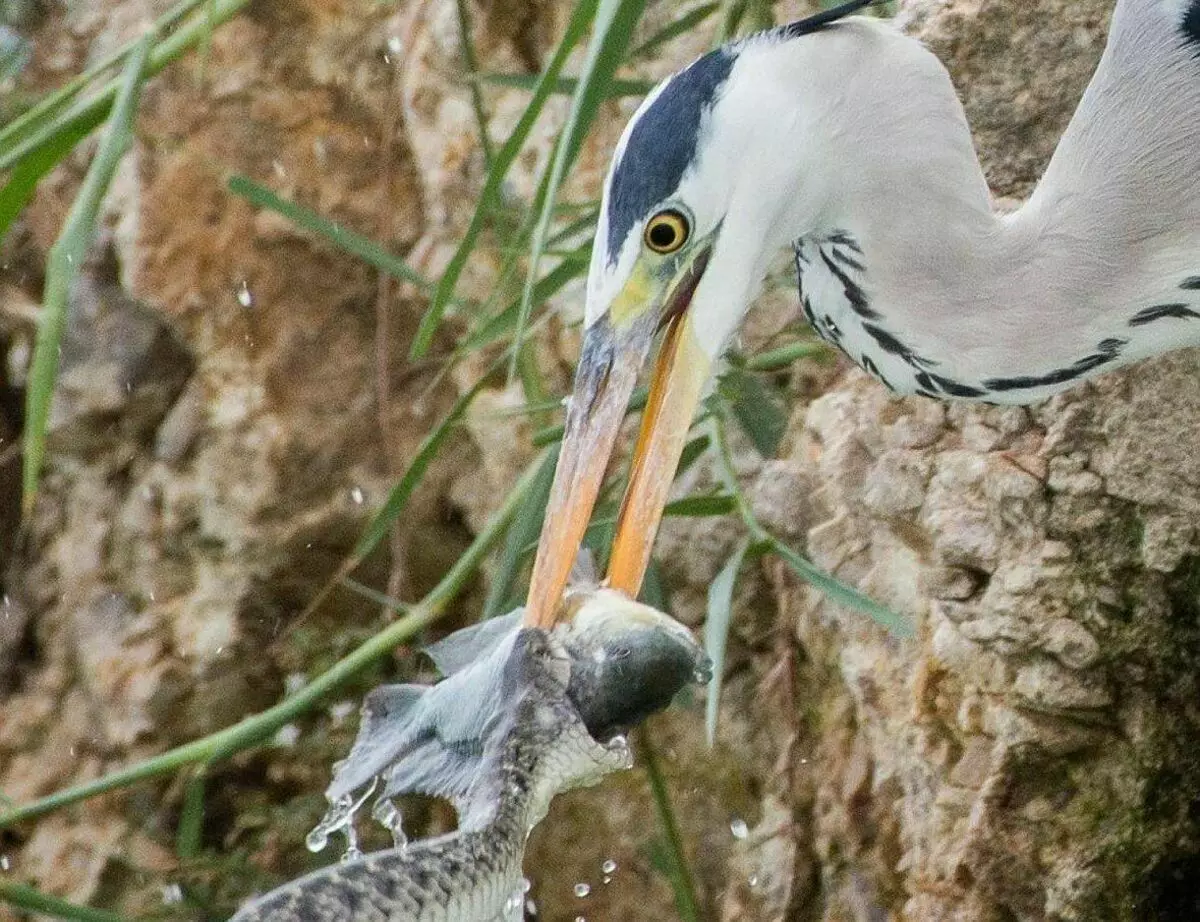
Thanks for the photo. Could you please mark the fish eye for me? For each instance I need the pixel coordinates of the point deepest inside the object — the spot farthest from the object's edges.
(667, 231)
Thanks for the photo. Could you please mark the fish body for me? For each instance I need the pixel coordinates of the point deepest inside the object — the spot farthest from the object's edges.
(522, 715)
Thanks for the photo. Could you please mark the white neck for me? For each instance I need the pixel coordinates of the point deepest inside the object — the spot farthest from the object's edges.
(883, 153)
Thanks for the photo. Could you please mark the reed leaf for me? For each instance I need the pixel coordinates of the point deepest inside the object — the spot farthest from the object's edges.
(64, 262)
(580, 20)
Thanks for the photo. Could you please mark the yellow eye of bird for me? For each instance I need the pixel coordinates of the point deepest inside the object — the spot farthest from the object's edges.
(666, 232)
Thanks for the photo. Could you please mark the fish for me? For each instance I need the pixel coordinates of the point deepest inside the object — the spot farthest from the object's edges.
(521, 715)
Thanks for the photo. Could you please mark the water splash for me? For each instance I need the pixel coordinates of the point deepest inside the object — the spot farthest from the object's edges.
(338, 818)
(388, 815)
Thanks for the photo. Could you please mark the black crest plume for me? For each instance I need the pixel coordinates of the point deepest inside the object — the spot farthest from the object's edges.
(826, 17)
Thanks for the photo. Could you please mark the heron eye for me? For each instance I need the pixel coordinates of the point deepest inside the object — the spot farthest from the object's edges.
(666, 232)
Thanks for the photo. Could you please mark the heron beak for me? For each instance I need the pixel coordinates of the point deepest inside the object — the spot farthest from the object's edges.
(614, 349)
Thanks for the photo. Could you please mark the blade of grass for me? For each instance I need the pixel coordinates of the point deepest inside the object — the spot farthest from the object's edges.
(716, 631)
(64, 262)
(26, 897)
(682, 882)
(28, 173)
(52, 103)
(673, 30)
(700, 507)
(759, 409)
(566, 85)
(348, 241)
(835, 590)
(615, 22)
(580, 20)
(261, 726)
(88, 113)
(776, 359)
(472, 68)
(505, 321)
(383, 520)
(523, 531)
(191, 817)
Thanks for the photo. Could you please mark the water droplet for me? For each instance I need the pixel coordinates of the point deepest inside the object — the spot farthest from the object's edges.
(388, 815)
(5, 863)
(356, 494)
(702, 676)
(279, 170)
(338, 818)
(243, 295)
(526, 884)
(530, 908)
(753, 881)
(581, 919)
(607, 879)
(316, 840)
(172, 894)
(287, 735)
(609, 866)
(582, 889)
(739, 828)
(395, 44)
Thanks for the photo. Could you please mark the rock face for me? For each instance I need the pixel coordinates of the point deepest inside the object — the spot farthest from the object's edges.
(233, 407)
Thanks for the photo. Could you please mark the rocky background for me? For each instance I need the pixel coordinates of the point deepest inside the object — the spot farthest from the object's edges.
(228, 419)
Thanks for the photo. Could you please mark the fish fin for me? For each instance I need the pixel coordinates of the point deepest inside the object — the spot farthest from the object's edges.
(457, 651)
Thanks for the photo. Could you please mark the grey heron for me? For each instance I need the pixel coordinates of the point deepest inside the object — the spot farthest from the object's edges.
(844, 139)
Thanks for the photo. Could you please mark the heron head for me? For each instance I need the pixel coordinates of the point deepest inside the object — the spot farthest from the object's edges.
(702, 192)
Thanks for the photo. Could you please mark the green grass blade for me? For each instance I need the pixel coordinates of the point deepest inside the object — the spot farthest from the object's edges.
(699, 507)
(191, 817)
(347, 241)
(566, 85)
(41, 113)
(471, 65)
(92, 111)
(673, 30)
(381, 524)
(523, 532)
(839, 592)
(64, 262)
(576, 27)
(833, 589)
(615, 22)
(26, 897)
(28, 173)
(778, 359)
(679, 873)
(505, 321)
(716, 631)
(758, 408)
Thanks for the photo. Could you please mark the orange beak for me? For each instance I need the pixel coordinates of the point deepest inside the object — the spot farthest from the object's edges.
(604, 381)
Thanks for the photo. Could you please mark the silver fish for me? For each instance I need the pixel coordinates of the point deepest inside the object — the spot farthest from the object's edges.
(521, 715)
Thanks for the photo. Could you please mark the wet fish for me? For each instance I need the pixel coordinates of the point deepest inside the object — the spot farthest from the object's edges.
(521, 715)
